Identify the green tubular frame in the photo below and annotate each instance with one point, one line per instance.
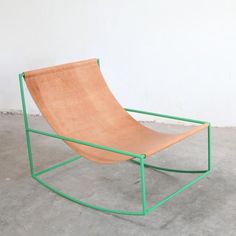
(136, 158)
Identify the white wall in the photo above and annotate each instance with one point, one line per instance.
(167, 56)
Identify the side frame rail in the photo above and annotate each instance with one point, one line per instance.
(181, 119)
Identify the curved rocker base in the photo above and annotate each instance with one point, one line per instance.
(99, 208)
(143, 212)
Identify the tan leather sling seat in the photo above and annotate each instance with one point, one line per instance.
(77, 103)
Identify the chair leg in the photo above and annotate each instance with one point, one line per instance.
(186, 186)
(143, 185)
(26, 125)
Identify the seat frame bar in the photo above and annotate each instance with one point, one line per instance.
(136, 158)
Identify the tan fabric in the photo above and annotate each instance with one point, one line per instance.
(77, 103)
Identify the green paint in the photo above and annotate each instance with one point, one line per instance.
(21, 77)
(143, 185)
(141, 158)
(98, 62)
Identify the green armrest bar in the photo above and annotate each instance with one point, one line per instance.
(166, 116)
(109, 149)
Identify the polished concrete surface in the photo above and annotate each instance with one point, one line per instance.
(28, 208)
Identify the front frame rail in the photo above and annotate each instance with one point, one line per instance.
(145, 210)
(109, 149)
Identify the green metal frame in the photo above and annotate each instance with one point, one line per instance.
(136, 158)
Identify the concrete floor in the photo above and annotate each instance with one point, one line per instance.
(27, 208)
